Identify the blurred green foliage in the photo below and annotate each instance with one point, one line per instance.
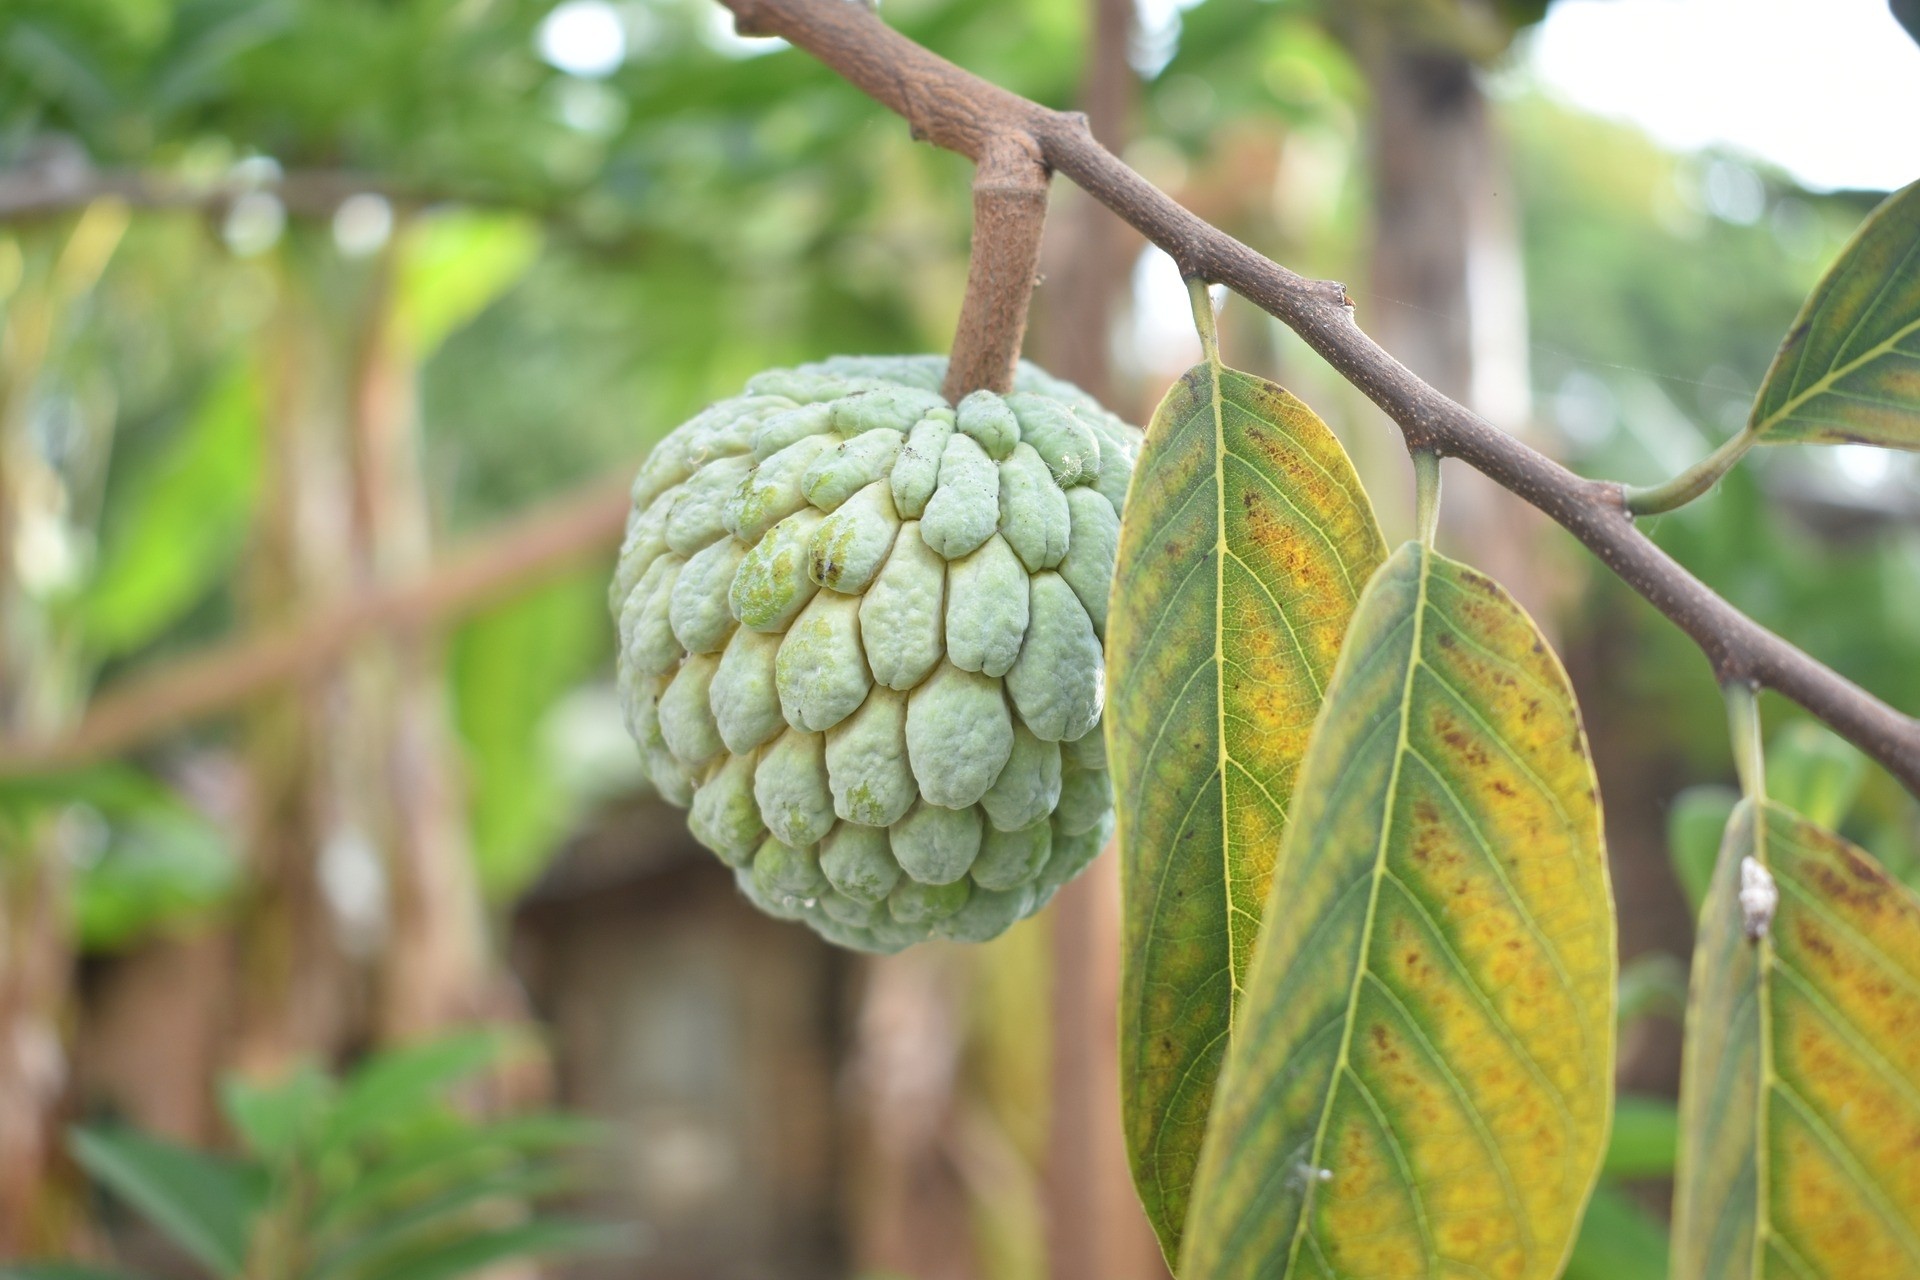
(146, 859)
(177, 522)
(630, 245)
(510, 667)
(582, 261)
(378, 1175)
(578, 263)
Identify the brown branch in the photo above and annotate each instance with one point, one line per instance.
(528, 549)
(1009, 213)
(961, 112)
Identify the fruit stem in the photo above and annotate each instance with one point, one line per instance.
(1009, 214)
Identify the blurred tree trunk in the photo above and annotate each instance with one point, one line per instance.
(300, 991)
(1447, 282)
(433, 970)
(35, 978)
(1095, 1227)
(39, 693)
(367, 926)
(909, 1208)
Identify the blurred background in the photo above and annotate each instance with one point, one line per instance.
(338, 931)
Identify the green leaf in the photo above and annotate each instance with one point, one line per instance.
(204, 1204)
(1618, 1241)
(398, 1084)
(278, 1120)
(207, 38)
(1849, 370)
(1246, 541)
(1800, 1089)
(1645, 1132)
(1815, 772)
(173, 534)
(1420, 1079)
(427, 1165)
(62, 70)
(481, 1250)
(441, 1214)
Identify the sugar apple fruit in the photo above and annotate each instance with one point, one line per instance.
(860, 637)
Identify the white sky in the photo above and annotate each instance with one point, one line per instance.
(1829, 90)
(584, 38)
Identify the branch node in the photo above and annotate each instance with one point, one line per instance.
(747, 20)
(1732, 668)
(1331, 291)
(1009, 213)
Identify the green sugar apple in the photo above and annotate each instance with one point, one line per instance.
(860, 639)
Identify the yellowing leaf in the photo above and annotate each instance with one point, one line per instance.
(1849, 370)
(1246, 542)
(1421, 1074)
(1800, 1095)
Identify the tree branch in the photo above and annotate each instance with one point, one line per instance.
(1009, 214)
(528, 549)
(961, 112)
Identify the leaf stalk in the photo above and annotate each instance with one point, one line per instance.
(1653, 499)
(1426, 481)
(1749, 749)
(1205, 319)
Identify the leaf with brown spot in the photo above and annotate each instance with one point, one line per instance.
(1246, 541)
(1800, 1093)
(1849, 370)
(1421, 1076)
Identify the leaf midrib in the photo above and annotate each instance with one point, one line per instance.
(1343, 1063)
(1825, 382)
(1215, 373)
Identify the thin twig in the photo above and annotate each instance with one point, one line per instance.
(1009, 213)
(140, 708)
(961, 112)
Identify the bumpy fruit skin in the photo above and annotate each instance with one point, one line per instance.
(860, 638)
